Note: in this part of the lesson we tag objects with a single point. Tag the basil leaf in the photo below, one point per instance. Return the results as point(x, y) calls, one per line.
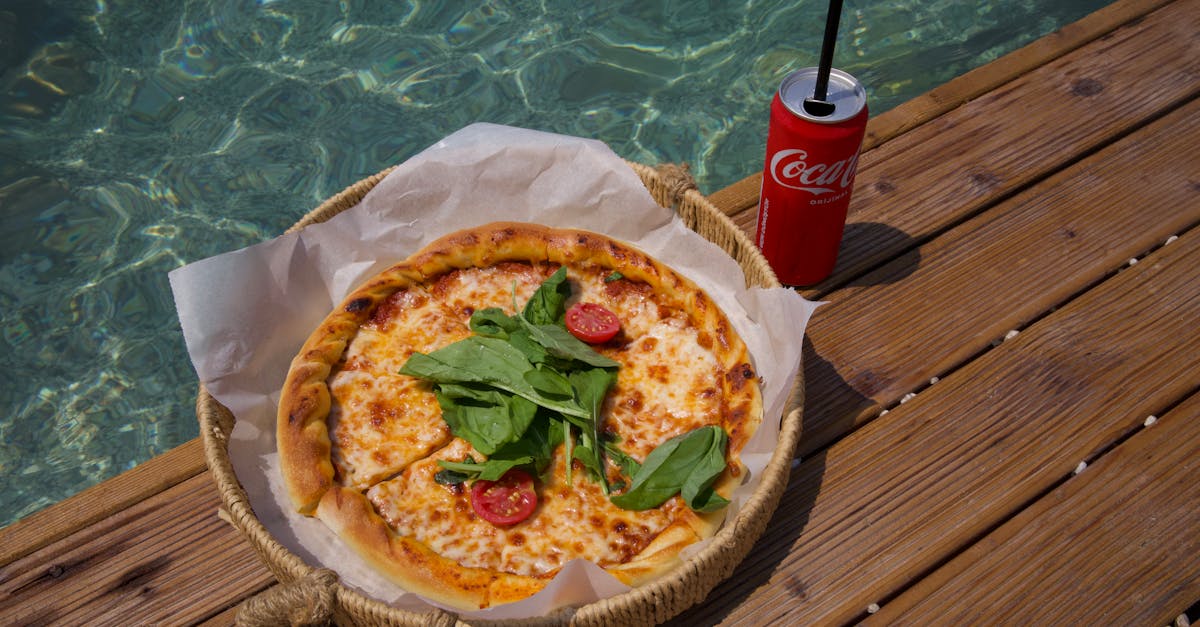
point(615, 276)
point(493, 322)
point(693, 460)
point(548, 303)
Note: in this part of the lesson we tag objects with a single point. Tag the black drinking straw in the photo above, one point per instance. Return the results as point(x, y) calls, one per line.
point(821, 90)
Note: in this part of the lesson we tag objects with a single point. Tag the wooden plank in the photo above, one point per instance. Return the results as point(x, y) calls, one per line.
point(166, 559)
point(1123, 555)
point(869, 515)
point(910, 189)
point(883, 338)
point(1019, 133)
point(101, 500)
point(743, 194)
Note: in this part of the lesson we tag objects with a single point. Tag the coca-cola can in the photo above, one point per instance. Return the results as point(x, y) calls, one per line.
point(809, 174)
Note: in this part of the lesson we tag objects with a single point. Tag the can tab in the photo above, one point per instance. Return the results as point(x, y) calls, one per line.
point(818, 108)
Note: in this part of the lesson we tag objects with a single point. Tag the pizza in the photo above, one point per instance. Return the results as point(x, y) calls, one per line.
point(513, 397)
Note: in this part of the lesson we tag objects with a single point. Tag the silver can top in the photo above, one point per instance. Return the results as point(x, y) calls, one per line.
point(845, 93)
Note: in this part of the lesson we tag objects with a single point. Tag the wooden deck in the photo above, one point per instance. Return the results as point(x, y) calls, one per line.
point(1002, 416)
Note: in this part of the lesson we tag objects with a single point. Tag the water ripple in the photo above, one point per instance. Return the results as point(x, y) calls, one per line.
point(137, 138)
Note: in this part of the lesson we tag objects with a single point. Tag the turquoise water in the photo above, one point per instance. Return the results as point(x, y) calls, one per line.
point(138, 137)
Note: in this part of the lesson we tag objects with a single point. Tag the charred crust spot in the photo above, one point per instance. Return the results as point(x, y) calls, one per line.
point(358, 304)
point(739, 375)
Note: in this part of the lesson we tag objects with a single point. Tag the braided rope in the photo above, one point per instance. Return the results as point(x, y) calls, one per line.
point(308, 601)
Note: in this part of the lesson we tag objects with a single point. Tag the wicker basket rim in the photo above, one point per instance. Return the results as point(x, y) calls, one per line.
point(649, 603)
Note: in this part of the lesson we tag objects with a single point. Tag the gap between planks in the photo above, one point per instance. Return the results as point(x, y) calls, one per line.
point(743, 195)
point(899, 496)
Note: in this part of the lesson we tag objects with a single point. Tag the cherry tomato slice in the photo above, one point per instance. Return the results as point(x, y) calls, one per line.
point(506, 501)
point(592, 323)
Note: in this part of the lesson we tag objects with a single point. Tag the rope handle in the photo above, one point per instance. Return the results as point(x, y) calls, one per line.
point(308, 602)
point(677, 179)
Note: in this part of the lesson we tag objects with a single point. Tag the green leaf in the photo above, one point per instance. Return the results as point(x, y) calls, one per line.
point(628, 465)
point(485, 360)
point(536, 445)
point(690, 461)
point(590, 386)
point(493, 322)
point(549, 382)
point(450, 477)
point(490, 470)
point(548, 303)
point(559, 342)
point(485, 417)
point(615, 276)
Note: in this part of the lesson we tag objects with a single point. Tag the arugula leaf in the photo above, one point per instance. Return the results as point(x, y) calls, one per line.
point(537, 445)
point(487, 360)
point(485, 417)
point(446, 476)
point(549, 382)
point(493, 322)
point(686, 464)
point(590, 386)
point(628, 465)
point(559, 342)
point(548, 303)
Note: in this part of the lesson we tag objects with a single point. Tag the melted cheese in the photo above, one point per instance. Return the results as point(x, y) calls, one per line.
point(384, 427)
point(380, 424)
point(575, 521)
point(665, 387)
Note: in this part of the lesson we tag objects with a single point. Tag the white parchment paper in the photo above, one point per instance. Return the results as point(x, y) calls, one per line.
point(246, 313)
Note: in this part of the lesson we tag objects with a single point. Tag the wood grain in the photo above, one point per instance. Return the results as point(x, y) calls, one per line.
point(1061, 182)
point(743, 194)
point(901, 495)
point(101, 500)
point(167, 559)
point(921, 316)
point(1112, 535)
point(941, 173)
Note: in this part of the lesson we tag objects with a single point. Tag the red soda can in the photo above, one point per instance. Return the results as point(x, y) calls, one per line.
point(809, 174)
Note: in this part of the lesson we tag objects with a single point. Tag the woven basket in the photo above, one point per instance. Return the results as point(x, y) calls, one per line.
point(310, 595)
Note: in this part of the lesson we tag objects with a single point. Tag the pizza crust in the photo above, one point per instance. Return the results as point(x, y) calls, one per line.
point(303, 433)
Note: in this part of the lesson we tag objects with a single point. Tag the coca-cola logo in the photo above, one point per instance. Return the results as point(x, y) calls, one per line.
point(790, 168)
